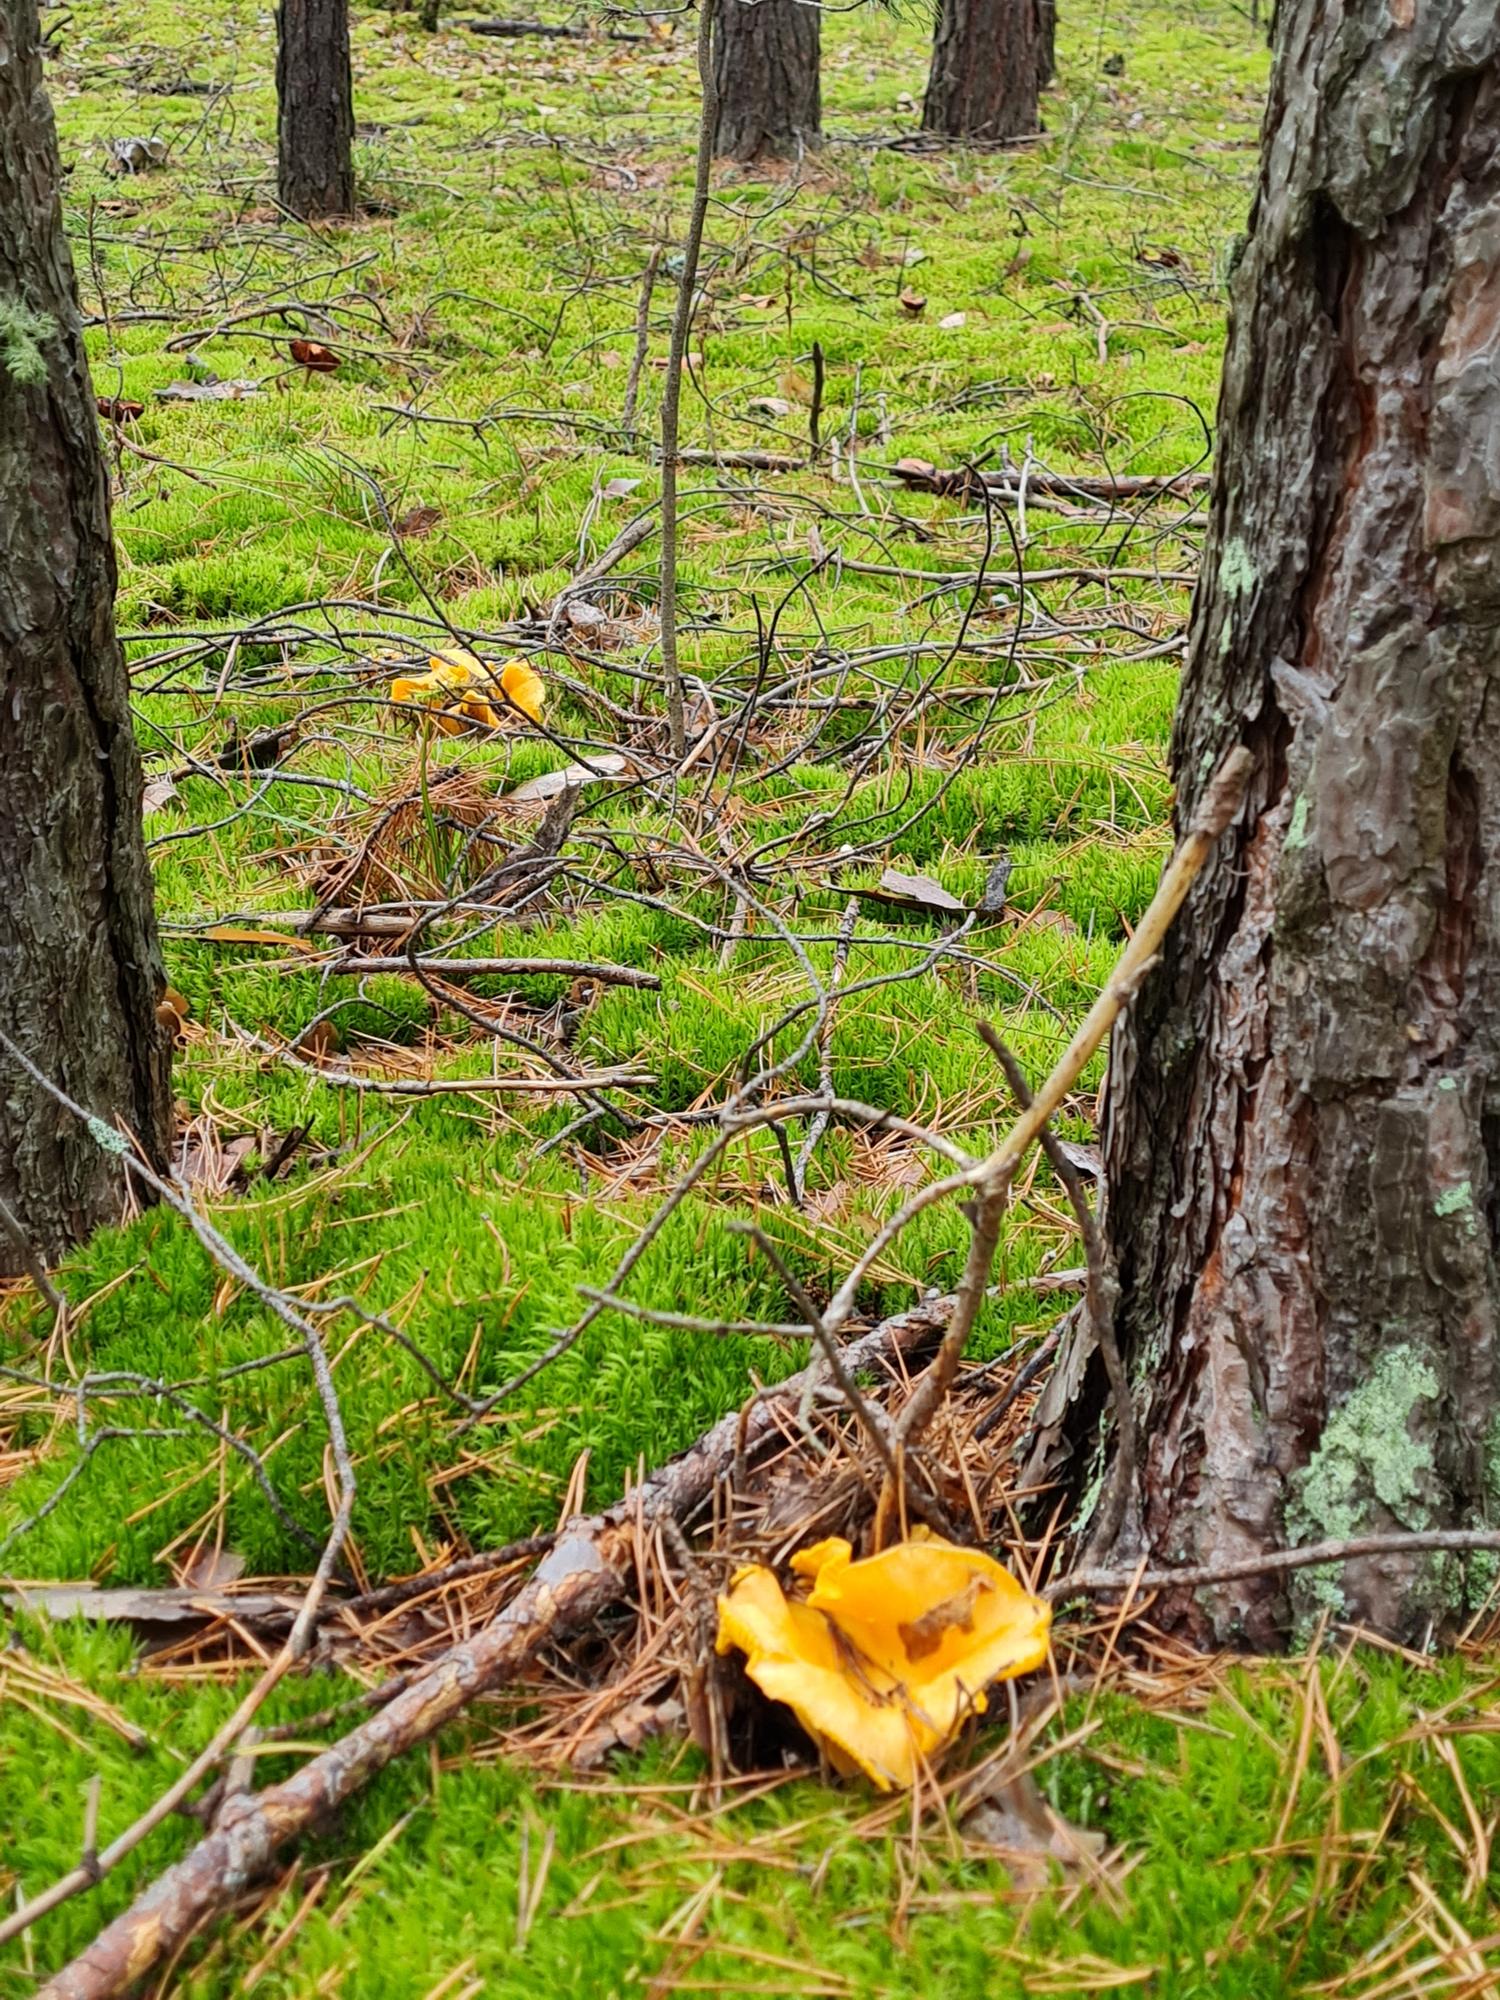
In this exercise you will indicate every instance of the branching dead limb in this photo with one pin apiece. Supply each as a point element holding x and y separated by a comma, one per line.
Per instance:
<point>590,1568</point>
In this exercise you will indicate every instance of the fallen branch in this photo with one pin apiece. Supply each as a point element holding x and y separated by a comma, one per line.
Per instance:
<point>748,461</point>
<point>495,968</point>
<point>512,30</point>
<point>1451,1541</point>
<point>590,1568</point>
<point>960,481</point>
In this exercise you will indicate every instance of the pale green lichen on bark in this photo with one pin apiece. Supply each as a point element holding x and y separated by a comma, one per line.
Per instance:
<point>1296,833</point>
<point>1458,1200</point>
<point>1367,1454</point>
<point>22,332</point>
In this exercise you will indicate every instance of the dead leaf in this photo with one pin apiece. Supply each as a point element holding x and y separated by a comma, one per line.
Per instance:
<point>118,408</point>
<point>159,793</point>
<point>418,521</point>
<point>912,302</point>
<point>618,489</point>
<point>605,766</point>
<point>207,392</point>
<point>914,892</point>
<point>1085,1159</point>
<point>213,1569</point>
<point>585,617</point>
<point>311,354</point>
<point>925,1634</point>
<point>770,406</point>
<point>248,934</point>
<point>952,320</point>
<point>136,156</point>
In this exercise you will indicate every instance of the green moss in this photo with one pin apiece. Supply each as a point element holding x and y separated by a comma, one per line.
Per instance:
<point>22,332</point>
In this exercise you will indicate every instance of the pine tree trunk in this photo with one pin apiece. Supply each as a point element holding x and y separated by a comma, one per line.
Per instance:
<point>986,69</point>
<point>1303,1128</point>
<point>80,970</point>
<point>1046,42</point>
<point>767,69</point>
<point>314,108</point>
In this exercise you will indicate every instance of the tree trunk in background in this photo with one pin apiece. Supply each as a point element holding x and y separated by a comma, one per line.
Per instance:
<point>314,108</point>
<point>1046,42</point>
<point>80,971</point>
<point>1302,1138</point>
<point>767,69</point>
<point>985,70</point>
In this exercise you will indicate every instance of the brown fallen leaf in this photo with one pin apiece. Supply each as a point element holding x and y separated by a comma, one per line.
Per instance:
<point>118,408</point>
<point>418,521</point>
<point>912,302</point>
<point>313,355</point>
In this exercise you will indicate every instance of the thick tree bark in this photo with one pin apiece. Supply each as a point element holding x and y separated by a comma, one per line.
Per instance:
<point>1303,1129</point>
<point>986,69</point>
<point>1046,42</point>
<point>768,74</point>
<point>80,971</point>
<point>314,108</point>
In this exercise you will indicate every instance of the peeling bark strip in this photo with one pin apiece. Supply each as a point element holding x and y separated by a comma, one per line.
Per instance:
<point>590,1568</point>
<point>1304,1108</point>
<point>767,73</point>
<point>314,108</point>
<point>988,58</point>
<point>80,970</point>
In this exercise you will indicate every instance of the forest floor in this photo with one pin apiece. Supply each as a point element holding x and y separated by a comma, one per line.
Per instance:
<point>338,450</point>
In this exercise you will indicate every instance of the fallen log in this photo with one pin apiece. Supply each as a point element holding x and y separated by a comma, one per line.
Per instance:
<point>512,30</point>
<point>589,1568</point>
<point>960,481</point>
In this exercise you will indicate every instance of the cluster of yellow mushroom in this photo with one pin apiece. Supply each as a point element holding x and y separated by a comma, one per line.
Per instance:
<point>460,692</point>
<point>882,1659</point>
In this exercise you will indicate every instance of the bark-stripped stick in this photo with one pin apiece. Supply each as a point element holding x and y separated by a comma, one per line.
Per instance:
<point>992,1178</point>
<point>671,402</point>
<point>591,1567</point>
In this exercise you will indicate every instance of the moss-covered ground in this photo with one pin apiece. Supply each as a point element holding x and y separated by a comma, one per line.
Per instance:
<point>284,553</point>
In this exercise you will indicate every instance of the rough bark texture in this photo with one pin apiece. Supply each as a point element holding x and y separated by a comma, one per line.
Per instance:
<point>80,971</point>
<point>314,108</point>
<point>767,70</point>
<point>1303,1134</point>
<point>1046,42</point>
<point>986,69</point>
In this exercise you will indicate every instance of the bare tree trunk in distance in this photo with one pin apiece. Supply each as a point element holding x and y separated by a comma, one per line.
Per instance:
<point>1046,42</point>
<point>986,70</point>
<point>80,969</point>
<point>314,108</point>
<point>1302,1142</point>
<point>767,66</point>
